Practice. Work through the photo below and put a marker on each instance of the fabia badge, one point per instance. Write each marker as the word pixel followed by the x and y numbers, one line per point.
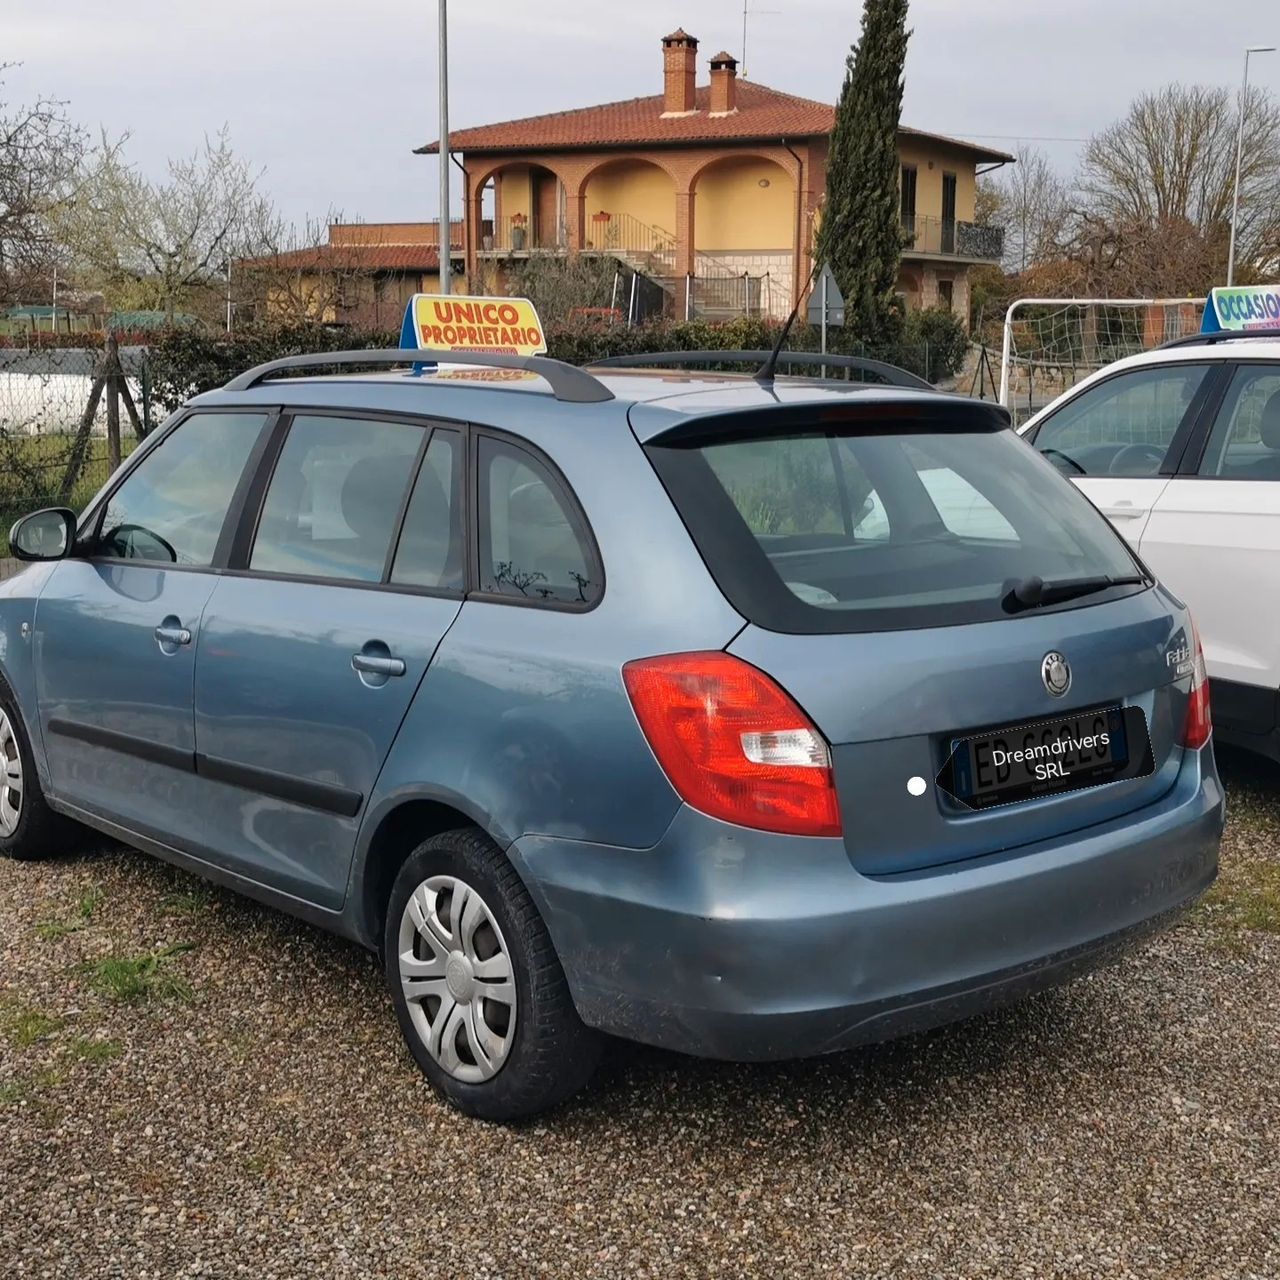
pixel 1055 673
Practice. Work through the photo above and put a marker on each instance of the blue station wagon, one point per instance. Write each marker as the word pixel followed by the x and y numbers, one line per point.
pixel 750 717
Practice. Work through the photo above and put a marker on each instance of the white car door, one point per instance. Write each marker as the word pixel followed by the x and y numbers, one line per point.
pixel 1119 439
pixel 1214 538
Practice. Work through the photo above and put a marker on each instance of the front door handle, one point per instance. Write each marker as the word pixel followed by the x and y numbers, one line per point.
pixel 171 635
pixel 376 664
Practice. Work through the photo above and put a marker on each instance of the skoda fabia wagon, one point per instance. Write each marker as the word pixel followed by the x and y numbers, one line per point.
pixel 750 717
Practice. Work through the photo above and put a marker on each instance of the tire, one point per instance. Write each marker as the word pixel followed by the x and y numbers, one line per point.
pixel 500 1041
pixel 29 829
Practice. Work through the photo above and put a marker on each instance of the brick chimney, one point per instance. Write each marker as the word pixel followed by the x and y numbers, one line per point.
pixel 724 84
pixel 679 73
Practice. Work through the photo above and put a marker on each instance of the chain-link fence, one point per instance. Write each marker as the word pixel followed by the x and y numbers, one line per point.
pixel 60 434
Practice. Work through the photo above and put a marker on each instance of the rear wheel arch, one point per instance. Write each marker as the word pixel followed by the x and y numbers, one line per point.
pixel 397 834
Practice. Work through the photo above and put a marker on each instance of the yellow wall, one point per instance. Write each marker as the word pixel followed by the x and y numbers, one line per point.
pixel 731 210
pixel 514 188
pixel 634 187
pixel 929 181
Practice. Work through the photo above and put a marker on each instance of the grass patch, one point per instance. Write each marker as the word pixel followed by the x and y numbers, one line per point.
pixel 87 1049
pixel 149 976
pixel 195 901
pixel 53 928
pixel 14 1093
pixel 23 1026
pixel 1247 896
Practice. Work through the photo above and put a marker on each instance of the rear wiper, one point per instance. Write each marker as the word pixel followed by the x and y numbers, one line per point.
pixel 1032 592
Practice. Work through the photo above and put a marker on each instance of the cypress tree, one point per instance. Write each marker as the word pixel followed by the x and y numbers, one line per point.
pixel 860 235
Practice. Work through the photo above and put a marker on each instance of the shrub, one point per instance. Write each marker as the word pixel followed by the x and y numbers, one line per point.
pixel 185 362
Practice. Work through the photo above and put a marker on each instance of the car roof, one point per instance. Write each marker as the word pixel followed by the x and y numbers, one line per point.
pixel 663 398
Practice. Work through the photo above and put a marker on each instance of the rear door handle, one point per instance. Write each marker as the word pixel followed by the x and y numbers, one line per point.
pixel 167 634
pixel 376 665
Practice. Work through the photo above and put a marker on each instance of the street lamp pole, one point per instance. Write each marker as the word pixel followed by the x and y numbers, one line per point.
pixel 445 238
pixel 1235 198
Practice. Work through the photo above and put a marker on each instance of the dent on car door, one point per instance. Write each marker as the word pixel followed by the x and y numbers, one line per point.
pixel 1119 439
pixel 316 639
pixel 117 627
pixel 1214 538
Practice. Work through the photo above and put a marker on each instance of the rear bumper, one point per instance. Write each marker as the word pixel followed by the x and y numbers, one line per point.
pixel 734 944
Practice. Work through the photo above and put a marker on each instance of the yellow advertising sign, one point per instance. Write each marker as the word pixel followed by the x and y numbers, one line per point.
pixel 495 326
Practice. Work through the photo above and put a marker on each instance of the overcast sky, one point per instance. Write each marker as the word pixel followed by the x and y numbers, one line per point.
pixel 329 97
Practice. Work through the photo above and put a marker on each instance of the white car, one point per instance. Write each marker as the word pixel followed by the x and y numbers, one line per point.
pixel 1180 449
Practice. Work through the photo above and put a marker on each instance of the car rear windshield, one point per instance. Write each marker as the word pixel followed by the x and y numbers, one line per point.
pixel 886 529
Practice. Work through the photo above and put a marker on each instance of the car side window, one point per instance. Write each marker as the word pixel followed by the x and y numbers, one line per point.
pixel 431 549
pixel 1245 441
pixel 534 542
pixel 171 507
pixel 335 497
pixel 1122 426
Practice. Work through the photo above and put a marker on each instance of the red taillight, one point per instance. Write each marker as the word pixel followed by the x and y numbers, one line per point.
pixel 734 744
pixel 1199 724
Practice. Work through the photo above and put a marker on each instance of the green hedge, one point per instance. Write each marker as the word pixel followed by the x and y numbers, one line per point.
pixel 185 362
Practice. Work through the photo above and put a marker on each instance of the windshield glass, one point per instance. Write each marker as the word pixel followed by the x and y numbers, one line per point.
pixel 874 530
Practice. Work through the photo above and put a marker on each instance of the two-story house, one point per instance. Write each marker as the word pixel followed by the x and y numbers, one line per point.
pixel 711 190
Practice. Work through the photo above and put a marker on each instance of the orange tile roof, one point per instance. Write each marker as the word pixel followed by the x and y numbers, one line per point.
pixel 761 113
pixel 352 257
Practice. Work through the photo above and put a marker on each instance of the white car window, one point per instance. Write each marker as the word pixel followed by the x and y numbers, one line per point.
pixel 965 511
pixel 1122 426
pixel 1245 441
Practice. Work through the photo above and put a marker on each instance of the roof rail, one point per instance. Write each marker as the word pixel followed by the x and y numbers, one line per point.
pixel 568 382
pixel 1221 335
pixel 890 373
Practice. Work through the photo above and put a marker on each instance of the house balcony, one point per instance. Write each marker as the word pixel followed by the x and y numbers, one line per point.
pixel 928 237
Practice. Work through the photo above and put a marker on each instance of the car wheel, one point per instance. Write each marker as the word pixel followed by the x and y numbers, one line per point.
pixel 29 829
pixel 478 990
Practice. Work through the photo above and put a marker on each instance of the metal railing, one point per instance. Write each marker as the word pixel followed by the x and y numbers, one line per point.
pixel 952 238
pixel 620 233
pixel 517 233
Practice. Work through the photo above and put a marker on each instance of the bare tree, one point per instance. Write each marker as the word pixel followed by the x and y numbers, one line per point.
pixel 171 238
pixel 302 273
pixel 1170 164
pixel 41 154
pixel 1029 201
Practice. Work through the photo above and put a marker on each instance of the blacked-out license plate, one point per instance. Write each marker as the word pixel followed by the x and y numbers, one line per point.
pixel 1019 762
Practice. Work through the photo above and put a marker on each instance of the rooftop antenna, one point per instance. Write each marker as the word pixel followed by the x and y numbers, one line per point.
pixel 765 373
pixel 748 12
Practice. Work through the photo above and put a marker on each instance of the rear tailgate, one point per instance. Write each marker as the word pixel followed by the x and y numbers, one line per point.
pixel 892 704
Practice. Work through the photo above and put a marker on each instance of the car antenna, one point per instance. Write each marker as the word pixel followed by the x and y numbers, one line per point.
pixel 765 372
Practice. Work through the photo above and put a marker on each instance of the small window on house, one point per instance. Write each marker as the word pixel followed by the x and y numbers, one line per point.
pixel 908 193
pixel 945 294
pixel 534 543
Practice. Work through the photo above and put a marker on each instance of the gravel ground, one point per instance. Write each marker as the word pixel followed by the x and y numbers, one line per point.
pixel 191 1085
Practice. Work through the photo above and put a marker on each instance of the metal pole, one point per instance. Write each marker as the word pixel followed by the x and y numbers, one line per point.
pixel 445 237
pixel 1235 196
pixel 1006 352
pixel 824 320
pixel 228 295
pixel 53 319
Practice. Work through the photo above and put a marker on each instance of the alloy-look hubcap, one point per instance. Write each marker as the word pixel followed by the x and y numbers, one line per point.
pixel 456 974
pixel 11 779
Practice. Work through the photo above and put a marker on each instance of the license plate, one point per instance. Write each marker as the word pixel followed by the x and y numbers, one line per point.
pixel 1086 749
